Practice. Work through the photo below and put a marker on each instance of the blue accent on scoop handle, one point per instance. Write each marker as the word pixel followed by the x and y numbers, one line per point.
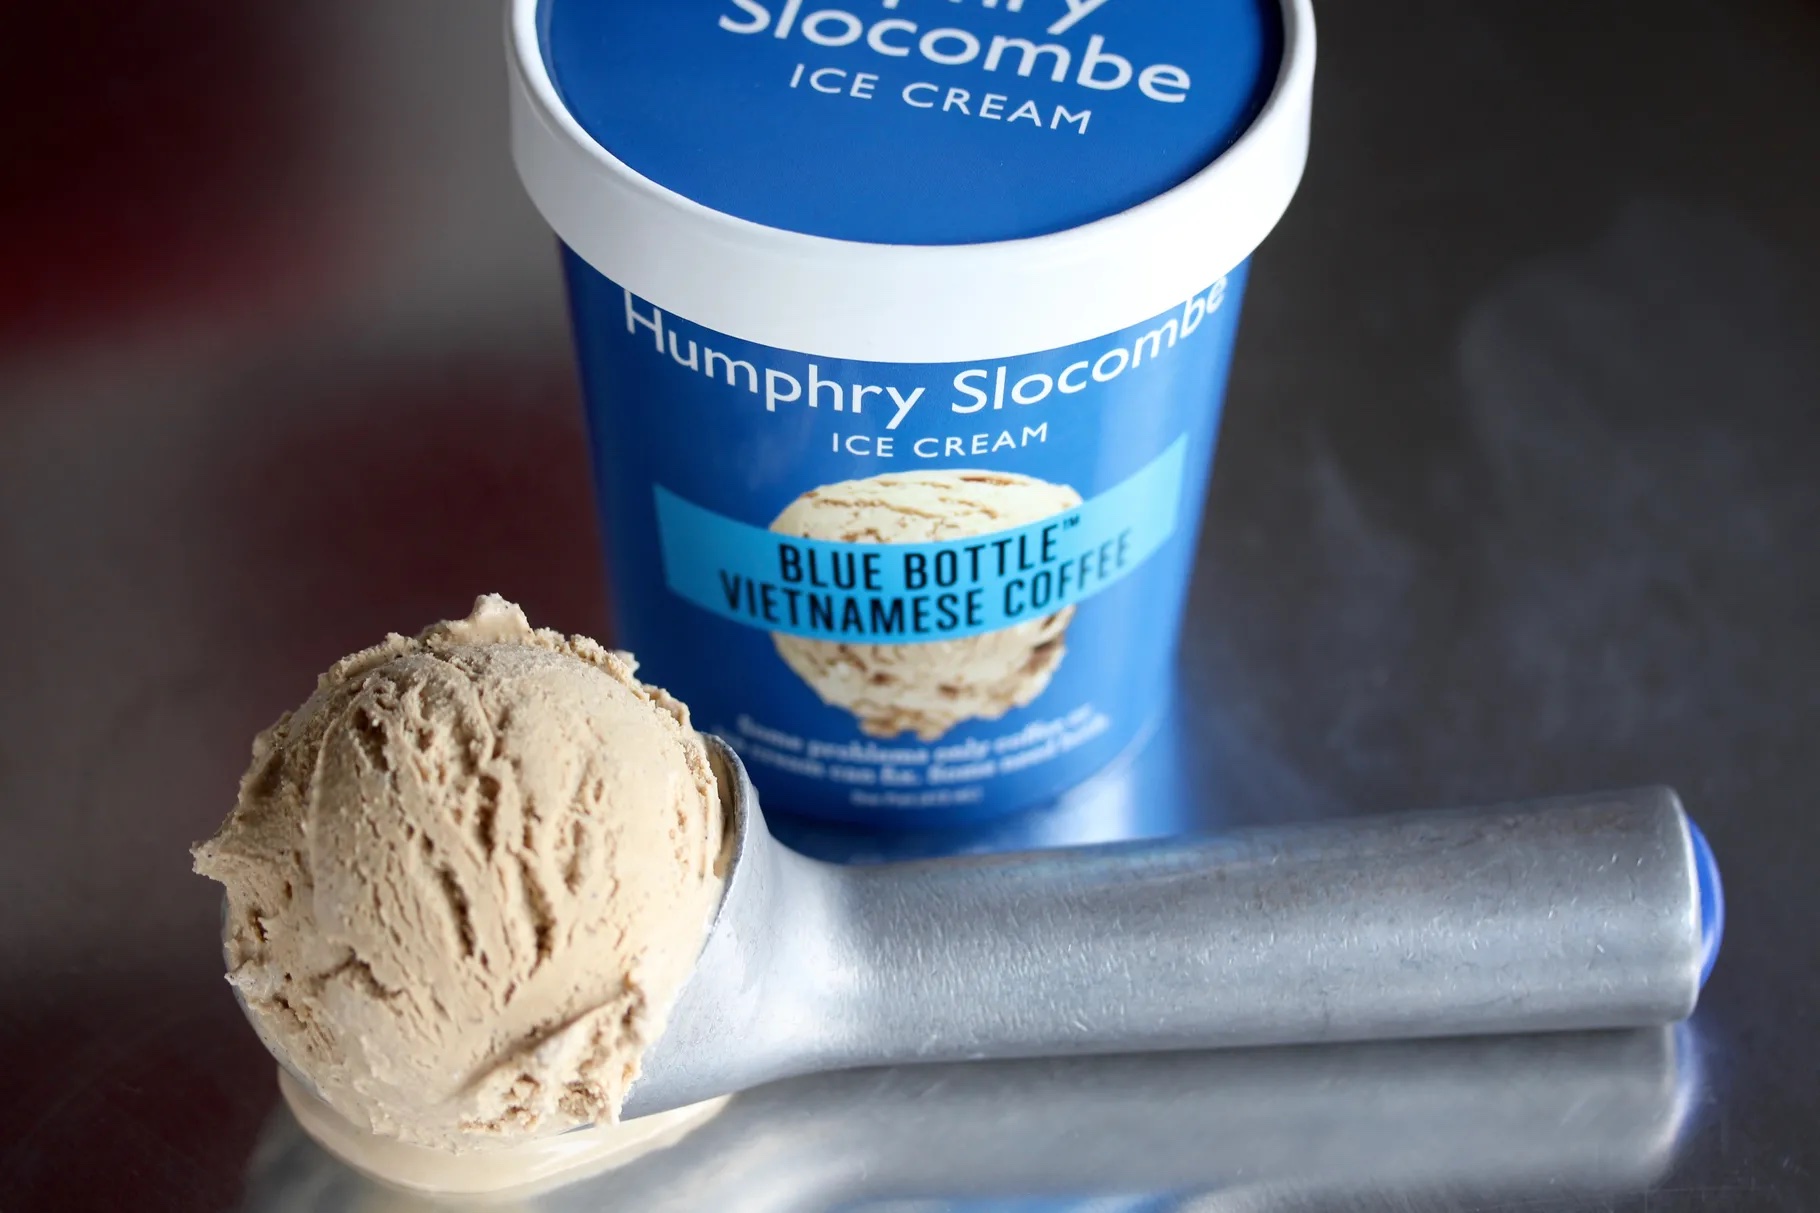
pixel 1712 902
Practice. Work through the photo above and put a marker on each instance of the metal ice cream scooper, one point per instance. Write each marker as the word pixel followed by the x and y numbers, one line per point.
pixel 1599 911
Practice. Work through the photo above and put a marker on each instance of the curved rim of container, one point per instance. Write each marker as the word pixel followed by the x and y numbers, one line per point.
pixel 903 302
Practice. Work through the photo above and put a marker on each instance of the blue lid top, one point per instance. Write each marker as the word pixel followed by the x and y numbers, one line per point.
pixel 915 121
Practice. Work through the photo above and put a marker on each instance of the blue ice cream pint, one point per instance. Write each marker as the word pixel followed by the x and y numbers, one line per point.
pixel 903 329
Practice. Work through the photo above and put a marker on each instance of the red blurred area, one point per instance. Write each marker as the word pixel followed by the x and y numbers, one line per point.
pixel 155 157
pixel 398 495
pixel 157 1036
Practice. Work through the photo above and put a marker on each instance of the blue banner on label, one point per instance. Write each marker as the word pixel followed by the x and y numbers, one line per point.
pixel 910 593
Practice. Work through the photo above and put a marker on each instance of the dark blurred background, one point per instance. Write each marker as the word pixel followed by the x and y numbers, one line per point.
pixel 1516 492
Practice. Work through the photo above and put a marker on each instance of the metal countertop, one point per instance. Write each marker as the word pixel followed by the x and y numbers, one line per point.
pixel 1516 495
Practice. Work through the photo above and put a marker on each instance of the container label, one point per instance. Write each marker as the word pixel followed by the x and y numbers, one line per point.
pixel 903 590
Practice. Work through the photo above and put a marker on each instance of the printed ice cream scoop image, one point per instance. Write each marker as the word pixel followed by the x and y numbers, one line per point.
pixel 928 688
pixel 466 879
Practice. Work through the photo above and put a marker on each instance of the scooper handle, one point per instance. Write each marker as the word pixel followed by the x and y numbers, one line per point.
pixel 1577 913
pixel 1586 912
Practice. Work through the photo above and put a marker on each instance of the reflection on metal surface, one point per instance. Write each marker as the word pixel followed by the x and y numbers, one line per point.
pixel 496 1173
pixel 1595 1113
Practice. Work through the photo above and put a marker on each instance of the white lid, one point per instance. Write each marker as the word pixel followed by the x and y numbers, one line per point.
pixel 884 302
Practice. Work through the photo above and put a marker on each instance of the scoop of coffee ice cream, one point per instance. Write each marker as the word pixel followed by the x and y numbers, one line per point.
pixel 468 877
pixel 929 688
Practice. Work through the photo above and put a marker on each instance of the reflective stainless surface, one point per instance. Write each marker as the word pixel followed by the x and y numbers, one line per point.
pixel 1575 913
pixel 1251 1129
pixel 1516 495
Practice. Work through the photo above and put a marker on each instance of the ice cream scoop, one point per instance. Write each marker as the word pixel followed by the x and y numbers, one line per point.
pixel 1587 912
pixel 485 886
pixel 465 879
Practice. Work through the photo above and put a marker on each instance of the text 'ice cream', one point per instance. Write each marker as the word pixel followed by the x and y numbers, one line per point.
pixel 467 878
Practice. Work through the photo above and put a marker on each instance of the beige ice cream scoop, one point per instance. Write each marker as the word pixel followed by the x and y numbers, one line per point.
pixel 927 689
pixel 466 879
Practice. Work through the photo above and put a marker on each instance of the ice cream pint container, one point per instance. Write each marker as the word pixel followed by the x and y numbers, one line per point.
pixel 903 329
